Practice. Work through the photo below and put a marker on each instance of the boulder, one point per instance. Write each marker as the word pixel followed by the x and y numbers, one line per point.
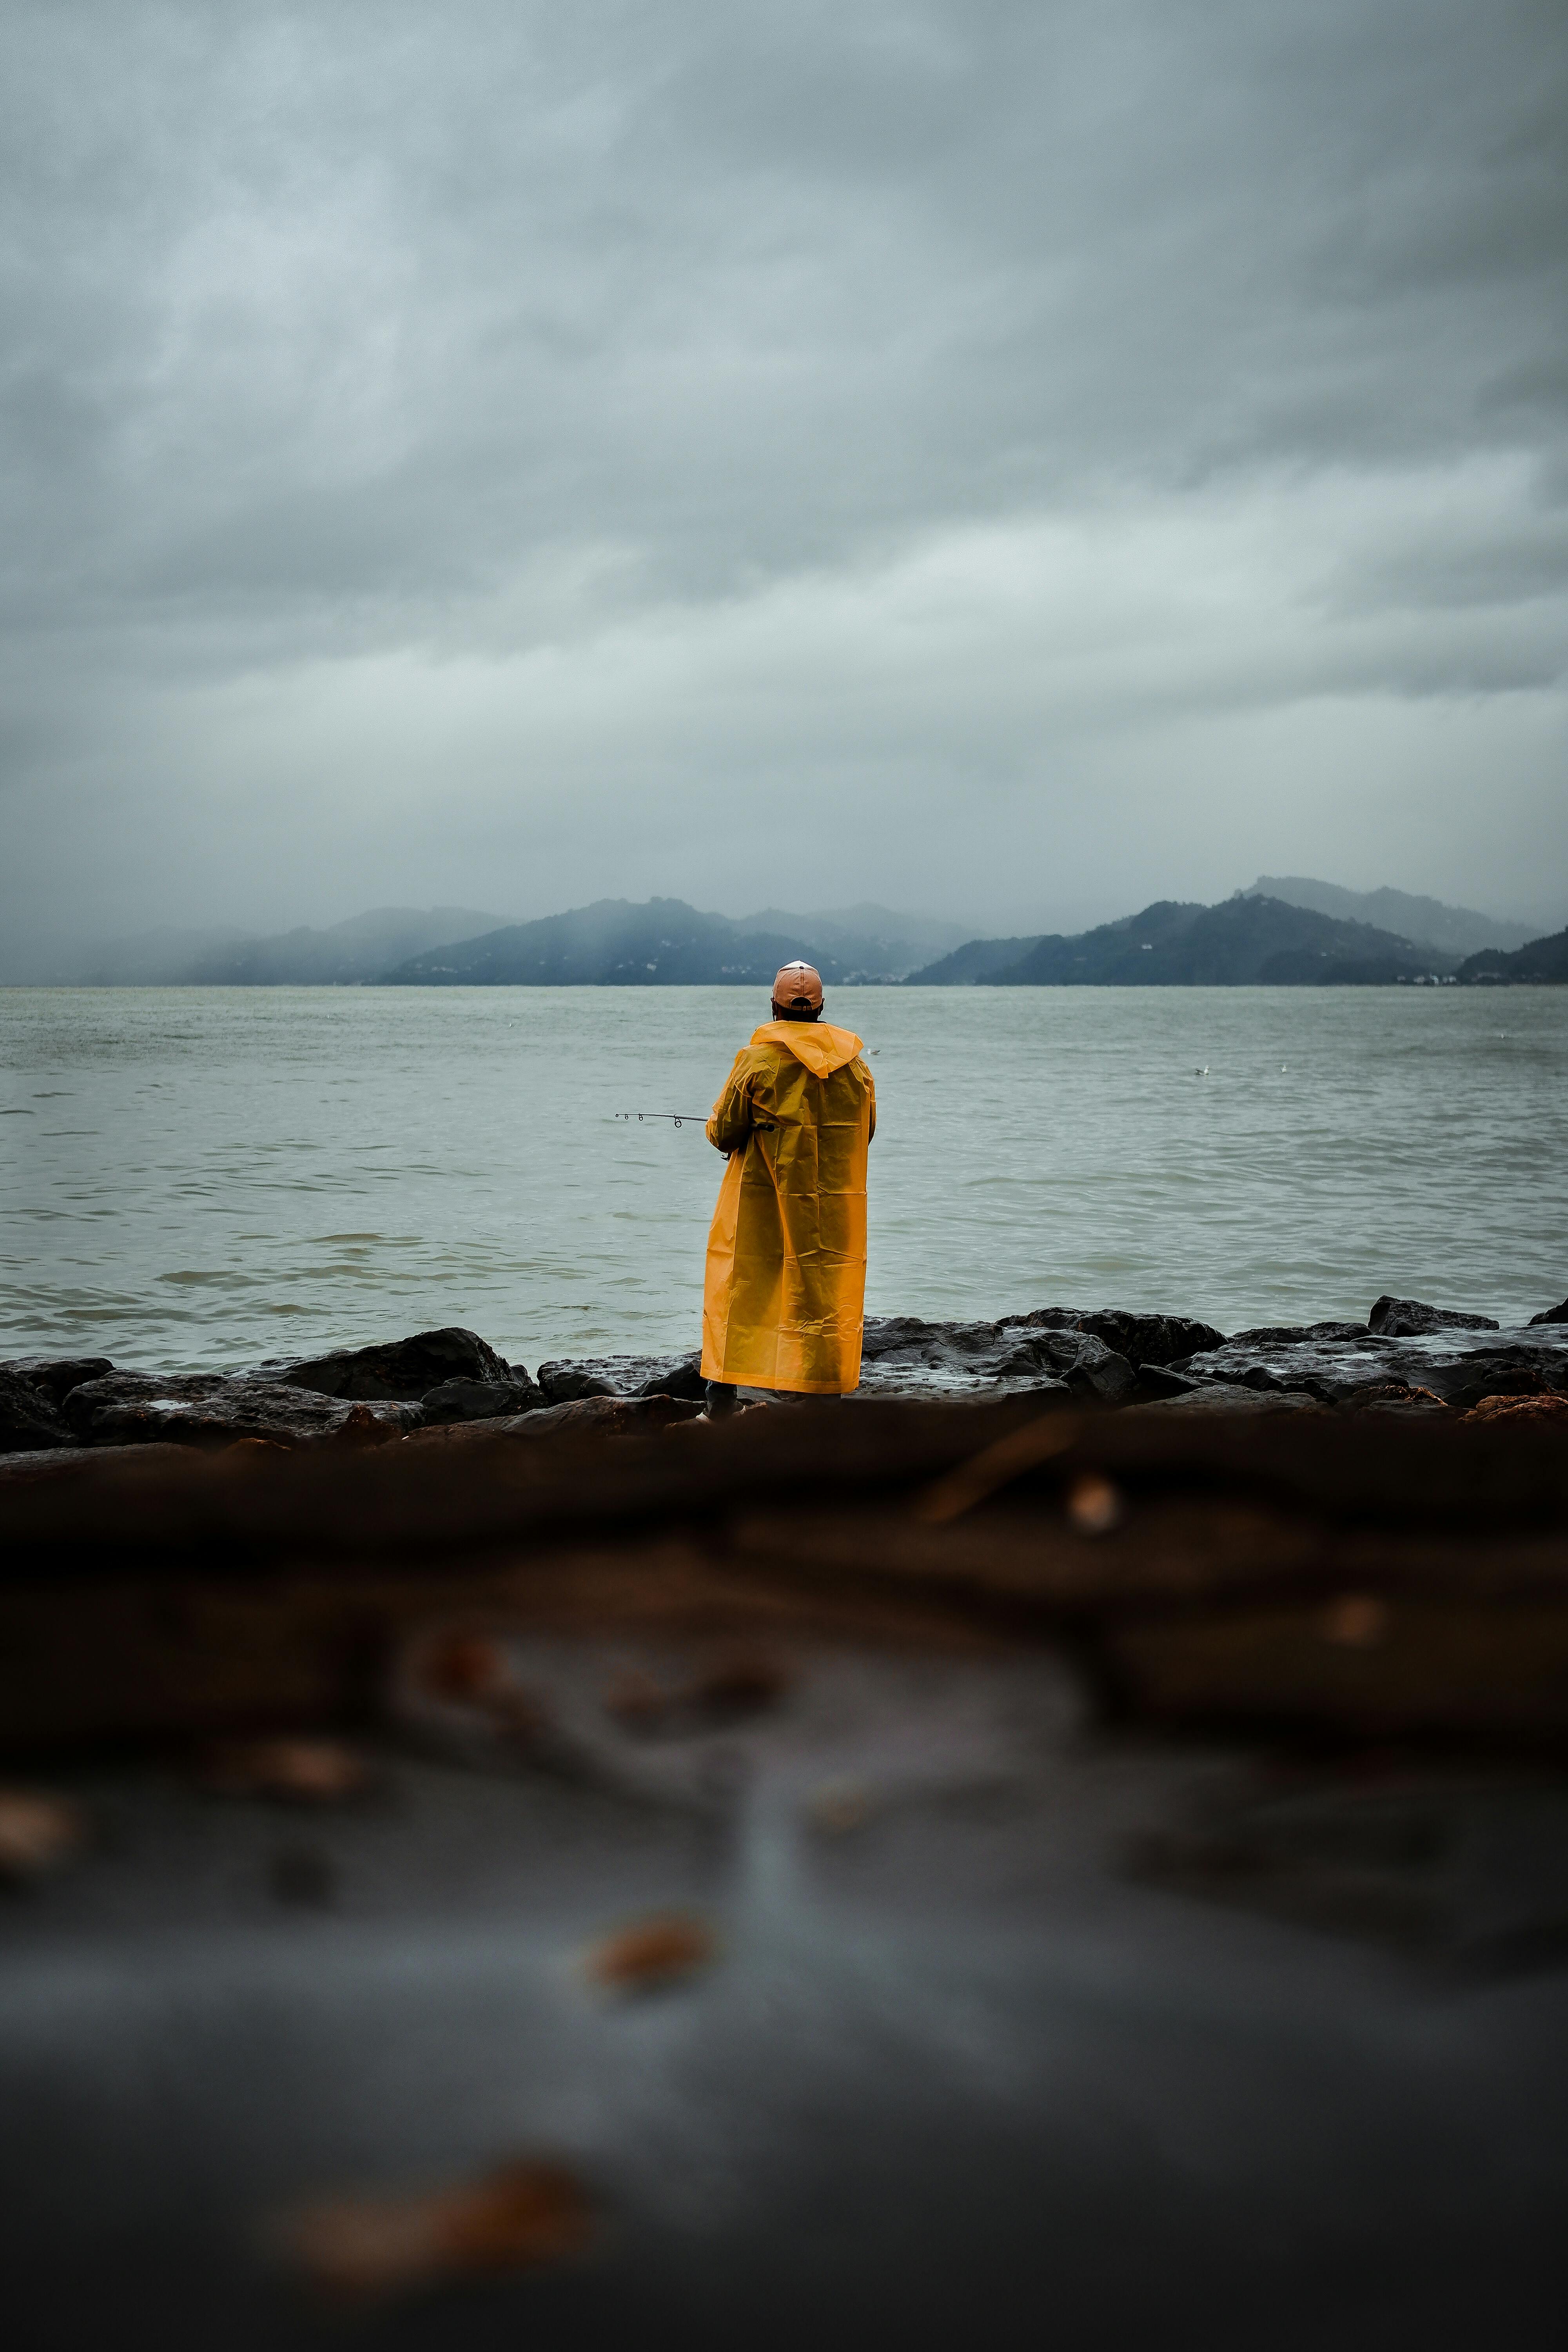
pixel 1506 1372
pixel 1451 1361
pixel 563 1382
pixel 676 1376
pixel 211 1409
pixel 56 1376
pixel 606 1416
pixel 406 1369
pixel 903 1356
pixel 466 1400
pixel 889 1335
pixel 1141 1338
pixel 1409 1318
pixel 1552 1315
pixel 29 1419
pixel 1086 1366
pixel 567 1383
pixel 1265 1381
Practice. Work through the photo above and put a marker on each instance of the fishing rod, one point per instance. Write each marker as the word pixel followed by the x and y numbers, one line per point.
pixel 689 1119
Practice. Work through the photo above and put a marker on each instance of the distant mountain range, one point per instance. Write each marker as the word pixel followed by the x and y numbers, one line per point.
pixel 662 943
pixel 666 943
pixel 1247 941
pixel 1272 934
pixel 1459 930
pixel 1540 960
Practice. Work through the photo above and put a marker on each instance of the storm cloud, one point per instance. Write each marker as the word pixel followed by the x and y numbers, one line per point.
pixel 1012 459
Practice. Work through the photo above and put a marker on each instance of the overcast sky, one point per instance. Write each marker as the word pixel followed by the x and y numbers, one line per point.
pixel 1007 458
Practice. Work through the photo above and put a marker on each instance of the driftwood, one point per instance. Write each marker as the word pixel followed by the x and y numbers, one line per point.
pixel 1355 1578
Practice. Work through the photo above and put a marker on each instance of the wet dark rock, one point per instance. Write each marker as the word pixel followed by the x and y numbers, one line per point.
pixel 1410 1319
pixel 608 1416
pixel 1158 1383
pixel 894 1337
pixel 1141 1338
pixel 1230 1396
pixel 611 1416
pixel 466 1400
pixel 1268 1379
pixel 1295 1335
pixel 903 1356
pixel 567 1383
pixel 1395 1396
pixel 1507 1372
pixel 623 1376
pixel 1067 1352
pixel 1455 1363
pixel 29 1420
pixel 676 1376
pixel 1552 1315
pixel 59 1461
pixel 214 1410
pixel 56 1376
pixel 406 1369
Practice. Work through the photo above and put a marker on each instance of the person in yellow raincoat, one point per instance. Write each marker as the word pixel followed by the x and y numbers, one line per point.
pixel 784 1297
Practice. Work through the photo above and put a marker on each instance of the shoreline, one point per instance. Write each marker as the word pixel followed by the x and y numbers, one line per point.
pixel 1408 1357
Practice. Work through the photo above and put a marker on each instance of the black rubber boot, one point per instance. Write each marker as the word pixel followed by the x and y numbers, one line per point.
pixel 721 1399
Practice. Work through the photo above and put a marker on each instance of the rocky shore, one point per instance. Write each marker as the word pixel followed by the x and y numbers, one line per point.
pixel 1407 1356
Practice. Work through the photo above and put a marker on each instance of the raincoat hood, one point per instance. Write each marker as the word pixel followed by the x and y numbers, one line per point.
pixel 821 1048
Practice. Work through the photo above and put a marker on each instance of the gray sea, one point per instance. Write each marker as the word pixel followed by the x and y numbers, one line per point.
pixel 200 1178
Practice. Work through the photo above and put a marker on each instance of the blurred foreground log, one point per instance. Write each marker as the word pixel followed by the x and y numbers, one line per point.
pixel 1351 1578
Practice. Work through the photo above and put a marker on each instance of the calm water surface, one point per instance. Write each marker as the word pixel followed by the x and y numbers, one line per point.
pixel 192 1177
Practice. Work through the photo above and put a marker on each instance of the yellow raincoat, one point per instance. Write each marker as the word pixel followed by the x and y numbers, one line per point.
pixel 785 1292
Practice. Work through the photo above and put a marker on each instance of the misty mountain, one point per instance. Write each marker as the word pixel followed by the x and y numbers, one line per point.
pixel 1243 941
pixel 1538 960
pixel 975 961
pixel 866 936
pixel 668 944
pixel 356 950
pixel 1459 930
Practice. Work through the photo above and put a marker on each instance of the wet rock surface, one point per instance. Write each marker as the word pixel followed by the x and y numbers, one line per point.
pixel 1142 1339
pixel 29 1419
pixel 205 1409
pixel 57 1461
pixel 406 1369
pixel 1409 1318
pixel 471 1399
pixel 607 1415
pixel 564 1382
pixel 1098 1352
pixel 1456 1365
pixel 903 1356
pixel 1291 1335
pixel 1407 1356
pixel 55 1376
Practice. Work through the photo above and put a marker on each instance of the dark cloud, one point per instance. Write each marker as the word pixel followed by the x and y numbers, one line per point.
pixel 548 436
